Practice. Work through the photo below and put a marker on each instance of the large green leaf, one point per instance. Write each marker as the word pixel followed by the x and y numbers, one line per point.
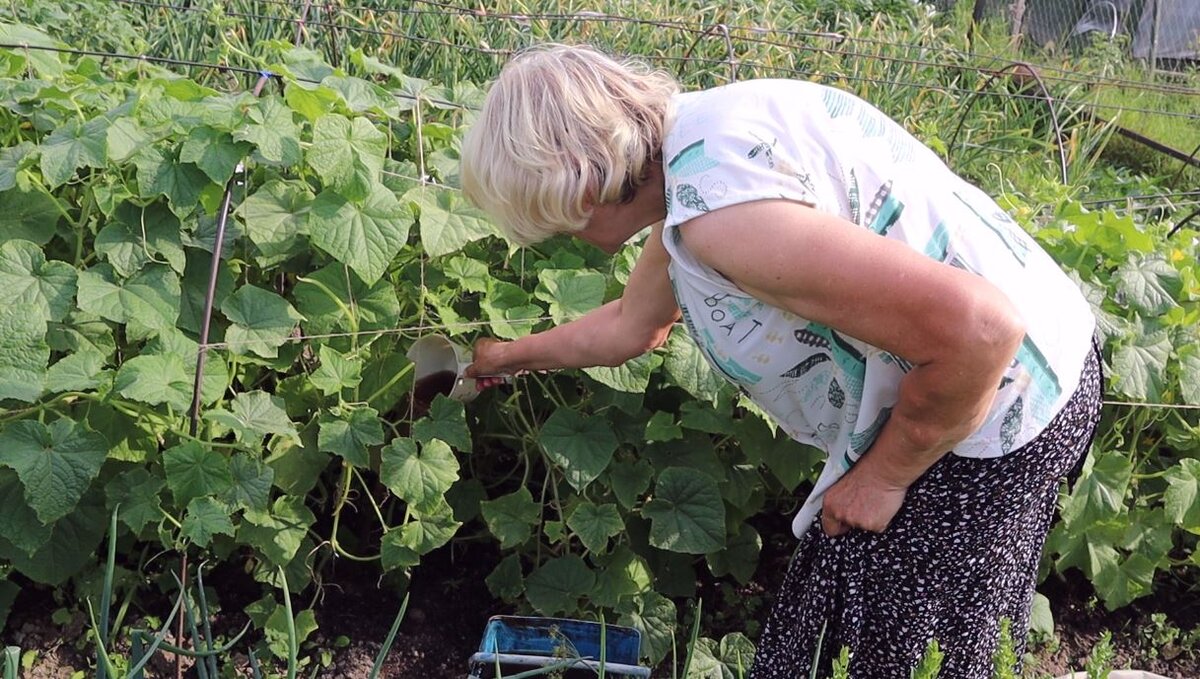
pixel 274 216
pixel 631 376
pixel 271 127
pixel 403 547
pixel 1149 284
pixel 1140 367
pixel 56 464
pixel 686 514
pixel 262 321
pixel 447 420
pixel 347 154
pixel 29 281
pixel 511 517
pixel 195 290
pixel 253 415
pixel 137 493
pixel 703 661
pixel 124 138
pixel 654 616
pixel 160 172
pixel 213 151
pixel 252 481
pixel 73 544
pixel 1099 495
pixel 629 480
pixel 12 160
pixel 621 574
pixel 419 477
pixel 205 518
pixel 327 295
pixel 1182 497
pixel 130 439
pixel 278 533
pixel 30 215
pixel 19 524
pixel 447 221
pixel 148 302
pixel 509 310
pixel 595 524
pixel 349 431
pixel 310 101
pixel 581 446
pixel 570 293
pixel 298 464
pixel 740 556
pixel 686 368
pixel 157 379
pixel 23 353
pixel 1120 582
pixel 694 451
pixel 1150 533
pixel 195 471
pixel 74 145
pixel 336 372
pixel 661 427
pixel 1189 373
pixel 361 95
pixel 365 236
pixel 175 344
pixel 556 585
pixel 137 236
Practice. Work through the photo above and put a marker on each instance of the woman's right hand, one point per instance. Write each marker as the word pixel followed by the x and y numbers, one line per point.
pixel 488 367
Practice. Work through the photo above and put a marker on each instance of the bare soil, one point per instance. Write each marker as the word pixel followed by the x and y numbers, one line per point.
pixel 450 604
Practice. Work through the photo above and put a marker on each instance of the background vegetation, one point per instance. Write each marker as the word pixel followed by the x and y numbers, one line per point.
pixel 330 140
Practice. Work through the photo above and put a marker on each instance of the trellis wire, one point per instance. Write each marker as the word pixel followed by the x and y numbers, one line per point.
pixel 501 52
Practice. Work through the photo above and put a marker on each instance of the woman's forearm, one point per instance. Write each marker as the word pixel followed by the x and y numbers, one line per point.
pixel 602 337
pixel 939 405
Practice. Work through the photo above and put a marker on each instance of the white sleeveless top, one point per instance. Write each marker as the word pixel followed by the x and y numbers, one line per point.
pixel 771 139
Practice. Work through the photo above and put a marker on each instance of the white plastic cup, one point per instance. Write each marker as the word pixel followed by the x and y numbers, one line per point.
pixel 433 354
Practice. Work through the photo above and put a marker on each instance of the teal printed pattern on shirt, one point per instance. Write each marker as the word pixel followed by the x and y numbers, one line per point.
pixel 731 368
pixel 689 197
pixel 837 104
pixel 938 243
pixel 884 210
pixel 1031 358
pixel 849 360
pixel 691 160
pixel 1012 239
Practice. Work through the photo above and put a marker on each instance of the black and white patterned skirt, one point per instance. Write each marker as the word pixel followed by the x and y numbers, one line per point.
pixel 961 554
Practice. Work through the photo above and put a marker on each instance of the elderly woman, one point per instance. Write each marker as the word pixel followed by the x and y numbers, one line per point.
pixel 834 270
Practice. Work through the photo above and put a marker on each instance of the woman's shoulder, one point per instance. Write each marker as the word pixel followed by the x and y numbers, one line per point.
pixel 761 104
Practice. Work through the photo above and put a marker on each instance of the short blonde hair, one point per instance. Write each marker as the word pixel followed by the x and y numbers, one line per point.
pixel 563 128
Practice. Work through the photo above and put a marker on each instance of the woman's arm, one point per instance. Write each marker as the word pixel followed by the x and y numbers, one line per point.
pixel 959 330
pixel 639 321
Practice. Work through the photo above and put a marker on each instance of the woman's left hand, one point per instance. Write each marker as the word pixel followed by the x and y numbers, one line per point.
pixel 862 500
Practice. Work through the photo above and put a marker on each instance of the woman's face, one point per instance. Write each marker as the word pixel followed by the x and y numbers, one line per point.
pixel 608 227
pixel 611 224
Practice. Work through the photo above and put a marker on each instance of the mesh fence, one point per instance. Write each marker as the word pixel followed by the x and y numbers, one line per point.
pixel 1155 30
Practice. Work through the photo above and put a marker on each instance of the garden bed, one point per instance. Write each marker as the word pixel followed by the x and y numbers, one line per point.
pixel 450 605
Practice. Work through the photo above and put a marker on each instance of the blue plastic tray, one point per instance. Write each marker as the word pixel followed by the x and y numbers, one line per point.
pixel 527 642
